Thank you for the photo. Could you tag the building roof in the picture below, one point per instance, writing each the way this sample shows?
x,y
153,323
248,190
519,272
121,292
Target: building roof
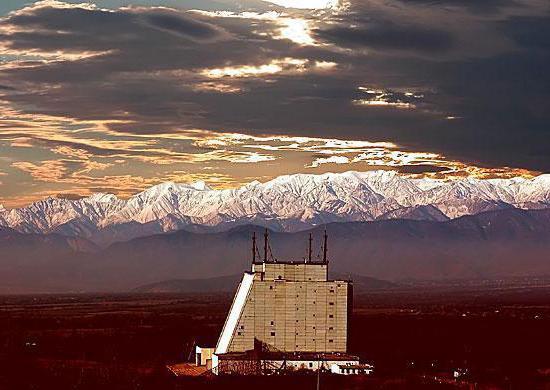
x,y
188,369
357,366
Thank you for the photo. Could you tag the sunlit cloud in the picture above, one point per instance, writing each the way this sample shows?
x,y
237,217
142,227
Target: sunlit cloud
x,y
90,6
327,65
398,158
382,103
217,87
273,67
297,30
329,160
270,15
306,4
387,98
281,143
293,28
214,157
51,170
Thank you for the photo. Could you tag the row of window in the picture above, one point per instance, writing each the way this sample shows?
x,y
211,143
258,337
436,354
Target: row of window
x,y
273,323
331,289
273,333
297,334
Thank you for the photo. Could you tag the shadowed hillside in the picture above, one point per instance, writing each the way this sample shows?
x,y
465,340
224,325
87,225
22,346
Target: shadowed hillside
x,y
497,244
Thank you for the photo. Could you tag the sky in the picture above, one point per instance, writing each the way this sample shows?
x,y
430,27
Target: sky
x,y
119,95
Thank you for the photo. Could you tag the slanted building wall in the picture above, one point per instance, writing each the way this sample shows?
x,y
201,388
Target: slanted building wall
x,y
288,307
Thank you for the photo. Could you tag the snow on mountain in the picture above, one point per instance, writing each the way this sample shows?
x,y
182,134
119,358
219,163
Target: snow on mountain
x,y
291,202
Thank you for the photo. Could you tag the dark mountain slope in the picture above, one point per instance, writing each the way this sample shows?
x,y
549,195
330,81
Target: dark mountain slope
x,y
496,244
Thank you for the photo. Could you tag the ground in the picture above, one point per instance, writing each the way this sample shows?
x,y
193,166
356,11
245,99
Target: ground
x,y
415,337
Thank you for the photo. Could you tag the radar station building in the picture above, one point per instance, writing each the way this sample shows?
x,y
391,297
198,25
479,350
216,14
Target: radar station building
x,y
285,315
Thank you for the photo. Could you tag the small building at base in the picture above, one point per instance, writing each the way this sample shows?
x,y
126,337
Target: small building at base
x,y
351,369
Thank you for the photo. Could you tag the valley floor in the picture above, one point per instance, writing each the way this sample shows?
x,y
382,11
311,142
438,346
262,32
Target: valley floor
x,y
415,337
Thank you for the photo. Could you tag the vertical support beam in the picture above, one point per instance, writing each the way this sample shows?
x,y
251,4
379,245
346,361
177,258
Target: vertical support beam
x,y
309,250
253,247
266,238
325,247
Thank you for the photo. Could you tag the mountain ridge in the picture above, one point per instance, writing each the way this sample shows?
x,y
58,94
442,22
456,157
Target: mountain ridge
x,y
287,203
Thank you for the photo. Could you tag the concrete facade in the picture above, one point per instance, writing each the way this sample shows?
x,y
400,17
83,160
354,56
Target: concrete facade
x,y
288,307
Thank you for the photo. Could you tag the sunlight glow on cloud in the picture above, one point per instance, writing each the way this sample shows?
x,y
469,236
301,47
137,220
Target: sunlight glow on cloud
x,y
76,162
329,160
306,4
387,98
295,29
382,103
286,65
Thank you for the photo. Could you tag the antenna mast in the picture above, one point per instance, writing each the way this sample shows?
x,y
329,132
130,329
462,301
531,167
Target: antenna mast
x,y
253,247
309,251
266,237
325,247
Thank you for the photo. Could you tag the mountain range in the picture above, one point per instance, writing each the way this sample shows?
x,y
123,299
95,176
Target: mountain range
x,y
290,203
381,225
493,245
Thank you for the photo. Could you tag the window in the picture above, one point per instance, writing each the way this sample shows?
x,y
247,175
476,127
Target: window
x,y
239,333
273,333
331,341
310,365
331,316
331,303
331,328
272,323
313,327
279,277
331,291
271,287
242,326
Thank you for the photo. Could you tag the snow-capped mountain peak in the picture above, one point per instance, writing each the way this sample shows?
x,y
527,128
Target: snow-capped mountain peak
x,y
289,202
201,186
101,197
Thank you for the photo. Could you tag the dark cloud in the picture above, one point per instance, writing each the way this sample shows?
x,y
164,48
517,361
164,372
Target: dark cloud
x,y
389,35
531,32
421,168
79,29
475,6
149,75
184,27
70,196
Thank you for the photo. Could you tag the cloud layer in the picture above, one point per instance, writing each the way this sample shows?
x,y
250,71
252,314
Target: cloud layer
x,y
118,98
